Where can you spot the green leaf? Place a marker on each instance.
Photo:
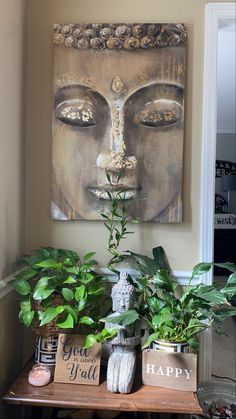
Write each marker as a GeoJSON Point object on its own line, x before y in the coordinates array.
{"type": "Point", "coordinates": [79, 292]}
{"type": "Point", "coordinates": [44, 281]}
{"type": "Point", "coordinates": [166, 317]}
{"type": "Point", "coordinates": [155, 321]}
{"type": "Point", "coordinates": [151, 339]}
{"type": "Point", "coordinates": [21, 286]}
{"type": "Point", "coordinates": [105, 335]}
{"type": "Point", "coordinates": [85, 267]}
{"type": "Point", "coordinates": [89, 255]}
{"type": "Point", "coordinates": [90, 340]}
{"type": "Point", "coordinates": [26, 274]}
{"type": "Point", "coordinates": [50, 313]}
{"type": "Point", "coordinates": [49, 263]}
{"type": "Point", "coordinates": [92, 262]}
{"type": "Point", "coordinates": [125, 319]}
{"type": "Point", "coordinates": [72, 270]}
{"type": "Point", "coordinates": [86, 320]}
{"type": "Point", "coordinates": [155, 304]}
{"type": "Point", "coordinates": [95, 290]}
{"type": "Point", "coordinates": [201, 268]}
{"type": "Point", "coordinates": [232, 279]}
{"type": "Point", "coordinates": [68, 323]}
{"type": "Point", "coordinates": [86, 278]}
{"type": "Point", "coordinates": [229, 291]}
{"type": "Point", "coordinates": [70, 280]}
{"type": "Point", "coordinates": [27, 318]}
{"type": "Point", "coordinates": [144, 264]}
{"type": "Point", "coordinates": [72, 311]}
{"type": "Point", "coordinates": [224, 313]}
{"type": "Point", "coordinates": [160, 257]}
{"type": "Point", "coordinates": [41, 293]}
{"type": "Point", "coordinates": [193, 342]}
{"type": "Point", "coordinates": [25, 305]}
{"type": "Point", "coordinates": [108, 227]}
{"type": "Point", "coordinates": [214, 296]}
{"type": "Point", "coordinates": [67, 294]}
{"type": "Point", "coordinates": [164, 280]}
{"type": "Point", "coordinates": [81, 305]}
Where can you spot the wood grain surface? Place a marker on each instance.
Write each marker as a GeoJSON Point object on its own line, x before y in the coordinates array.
{"type": "Point", "coordinates": [143, 398]}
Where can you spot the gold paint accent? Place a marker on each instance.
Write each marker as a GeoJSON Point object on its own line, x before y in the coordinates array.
{"type": "Point", "coordinates": [68, 79]}
{"type": "Point", "coordinates": [117, 85]}
{"type": "Point", "coordinates": [180, 69]}
{"type": "Point", "coordinates": [143, 77]}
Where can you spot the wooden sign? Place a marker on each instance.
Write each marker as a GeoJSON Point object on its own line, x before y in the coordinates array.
{"type": "Point", "coordinates": [169, 369]}
{"type": "Point", "coordinates": [77, 365]}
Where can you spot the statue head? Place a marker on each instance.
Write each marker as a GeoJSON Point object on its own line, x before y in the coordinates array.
{"type": "Point", "coordinates": [122, 294]}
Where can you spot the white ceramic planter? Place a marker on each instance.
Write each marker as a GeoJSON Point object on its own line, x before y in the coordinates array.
{"type": "Point", "coordinates": [171, 346]}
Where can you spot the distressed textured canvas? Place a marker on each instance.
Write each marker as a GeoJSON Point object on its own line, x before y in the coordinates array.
{"type": "Point", "coordinates": [118, 96]}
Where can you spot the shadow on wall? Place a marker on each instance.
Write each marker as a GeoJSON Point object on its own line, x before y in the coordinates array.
{"type": "Point", "coordinates": [11, 349]}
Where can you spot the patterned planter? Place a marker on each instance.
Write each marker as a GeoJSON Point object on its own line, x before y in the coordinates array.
{"type": "Point", "coordinates": [45, 350]}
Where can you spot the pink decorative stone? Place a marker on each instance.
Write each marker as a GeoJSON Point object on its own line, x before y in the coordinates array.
{"type": "Point", "coordinates": [39, 376]}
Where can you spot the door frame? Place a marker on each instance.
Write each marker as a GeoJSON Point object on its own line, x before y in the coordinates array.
{"type": "Point", "coordinates": [215, 14]}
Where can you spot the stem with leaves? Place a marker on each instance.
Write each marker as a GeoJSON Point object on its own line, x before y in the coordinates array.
{"type": "Point", "coordinates": [117, 218]}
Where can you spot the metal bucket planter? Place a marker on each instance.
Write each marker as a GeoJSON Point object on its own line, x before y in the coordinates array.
{"type": "Point", "coordinates": [171, 346]}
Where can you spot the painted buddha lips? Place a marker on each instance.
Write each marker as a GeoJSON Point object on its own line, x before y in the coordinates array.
{"type": "Point", "coordinates": [121, 191]}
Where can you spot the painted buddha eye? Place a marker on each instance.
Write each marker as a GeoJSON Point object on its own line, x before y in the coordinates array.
{"type": "Point", "coordinates": [76, 112]}
{"type": "Point", "coordinates": [161, 112]}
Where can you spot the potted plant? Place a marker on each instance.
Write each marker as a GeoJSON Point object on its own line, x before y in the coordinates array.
{"type": "Point", "coordinates": [59, 292]}
{"type": "Point", "coordinates": [65, 285]}
{"type": "Point", "coordinates": [178, 316]}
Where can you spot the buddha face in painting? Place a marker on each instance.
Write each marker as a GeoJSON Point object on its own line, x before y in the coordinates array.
{"type": "Point", "coordinates": [119, 98]}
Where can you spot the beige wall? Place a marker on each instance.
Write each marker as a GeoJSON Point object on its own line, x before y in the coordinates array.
{"type": "Point", "coordinates": [11, 133]}
{"type": "Point", "coordinates": [12, 53]}
{"type": "Point", "coordinates": [180, 241]}
{"type": "Point", "coordinates": [11, 342]}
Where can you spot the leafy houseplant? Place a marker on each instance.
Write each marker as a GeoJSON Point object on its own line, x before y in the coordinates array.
{"type": "Point", "coordinates": [56, 285]}
{"type": "Point", "coordinates": [180, 318]}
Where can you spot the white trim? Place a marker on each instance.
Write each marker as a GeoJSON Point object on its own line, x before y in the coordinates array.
{"type": "Point", "coordinates": [215, 13]}
{"type": "Point", "coordinates": [182, 276]}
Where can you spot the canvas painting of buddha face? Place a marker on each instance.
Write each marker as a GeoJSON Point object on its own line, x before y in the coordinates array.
{"type": "Point", "coordinates": [118, 92]}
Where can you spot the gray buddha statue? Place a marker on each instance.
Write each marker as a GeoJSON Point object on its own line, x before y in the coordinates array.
{"type": "Point", "coordinates": [122, 360]}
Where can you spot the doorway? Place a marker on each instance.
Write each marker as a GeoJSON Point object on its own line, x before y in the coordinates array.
{"type": "Point", "coordinates": [217, 15]}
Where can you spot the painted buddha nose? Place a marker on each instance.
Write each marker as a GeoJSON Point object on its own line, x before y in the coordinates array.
{"type": "Point", "coordinates": [116, 160]}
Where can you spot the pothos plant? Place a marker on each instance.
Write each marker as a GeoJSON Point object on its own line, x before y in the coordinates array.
{"type": "Point", "coordinates": [176, 315]}
{"type": "Point", "coordinates": [52, 272]}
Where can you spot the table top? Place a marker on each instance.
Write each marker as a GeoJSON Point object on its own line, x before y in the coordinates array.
{"type": "Point", "coordinates": [142, 398]}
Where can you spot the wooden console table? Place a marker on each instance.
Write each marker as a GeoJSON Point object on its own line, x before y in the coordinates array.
{"type": "Point", "coordinates": [142, 399]}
